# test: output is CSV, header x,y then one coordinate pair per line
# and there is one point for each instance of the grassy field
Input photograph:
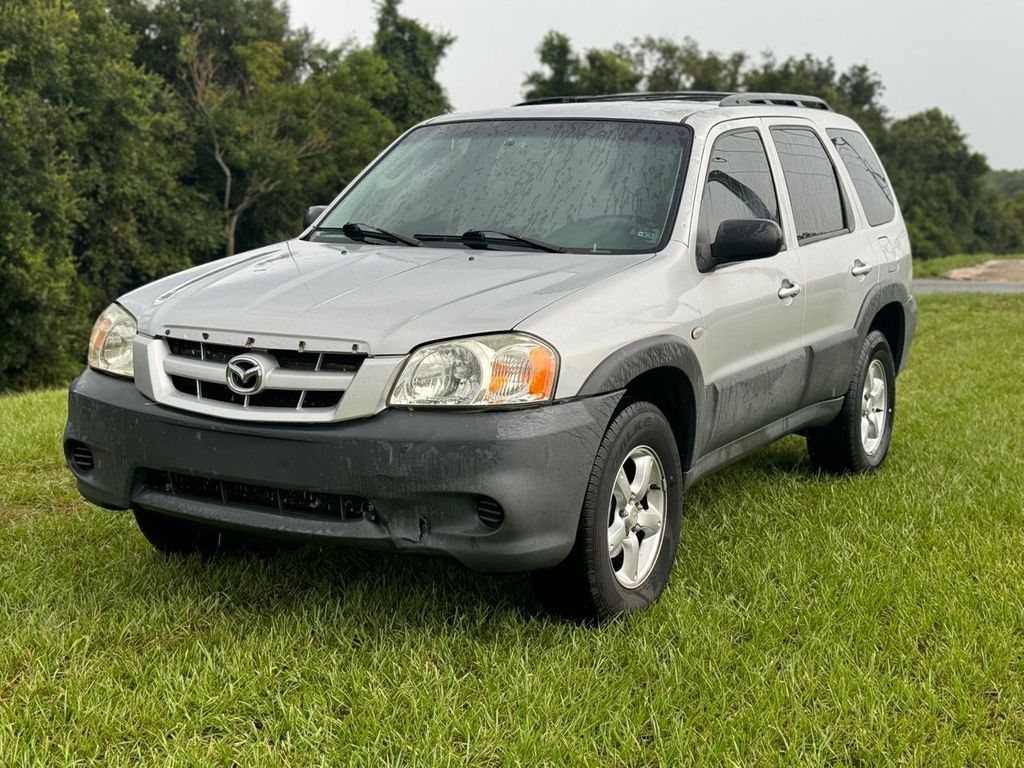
x,y
867,621
941,266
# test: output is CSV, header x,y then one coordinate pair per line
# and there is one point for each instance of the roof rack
x,y
724,99
775,99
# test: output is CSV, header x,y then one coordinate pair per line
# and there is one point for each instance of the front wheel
x,y
857,440
629,525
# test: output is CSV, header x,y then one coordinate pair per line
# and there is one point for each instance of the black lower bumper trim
x,y
422,473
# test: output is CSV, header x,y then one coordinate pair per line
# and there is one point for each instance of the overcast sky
x,y
964,57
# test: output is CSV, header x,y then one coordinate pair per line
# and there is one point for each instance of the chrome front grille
x,y
302,381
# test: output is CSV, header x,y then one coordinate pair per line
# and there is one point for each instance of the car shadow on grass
x,y
401,590
397,590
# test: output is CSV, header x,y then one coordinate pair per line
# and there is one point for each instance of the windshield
x,y
582,185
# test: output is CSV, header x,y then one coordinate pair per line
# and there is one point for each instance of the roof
x,y
669,107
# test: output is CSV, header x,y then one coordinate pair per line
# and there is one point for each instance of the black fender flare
x,y
621,367
625,364
881,295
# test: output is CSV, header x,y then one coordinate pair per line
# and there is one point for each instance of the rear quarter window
x,y
865,170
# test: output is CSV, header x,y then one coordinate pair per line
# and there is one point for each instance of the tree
x,y
259,127
91,203
1007,182
662,64
670,66
413,54
279,121
857,92
939,182
568,74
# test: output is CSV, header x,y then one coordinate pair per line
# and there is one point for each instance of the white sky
x,y
962,56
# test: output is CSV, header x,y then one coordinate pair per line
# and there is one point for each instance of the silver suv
x,y
515,340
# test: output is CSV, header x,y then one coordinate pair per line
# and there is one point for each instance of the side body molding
x,y
832,359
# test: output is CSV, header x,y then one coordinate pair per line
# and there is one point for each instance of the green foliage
x,y
671,66
950,200
810,621
276,119
856,92
1008,183
140,137
938,181
413,54
91,202
569,74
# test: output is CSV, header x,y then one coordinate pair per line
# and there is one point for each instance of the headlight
x,y
110,347
510,369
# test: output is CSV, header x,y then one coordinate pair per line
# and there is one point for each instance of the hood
x,y
387,299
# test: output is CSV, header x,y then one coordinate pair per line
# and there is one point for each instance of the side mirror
x,y
745,240
312,214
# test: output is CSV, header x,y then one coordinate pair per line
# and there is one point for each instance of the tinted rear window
x,y
811,179
866,172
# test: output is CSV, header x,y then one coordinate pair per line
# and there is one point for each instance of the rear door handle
x,y
789,290
860,269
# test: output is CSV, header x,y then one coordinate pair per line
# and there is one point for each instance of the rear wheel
x,y
857,441
629,525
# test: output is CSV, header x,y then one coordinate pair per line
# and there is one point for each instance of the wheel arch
x,y
885,309
891,321
662,370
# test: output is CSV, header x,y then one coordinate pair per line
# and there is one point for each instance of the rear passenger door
x,y
839,266
753,310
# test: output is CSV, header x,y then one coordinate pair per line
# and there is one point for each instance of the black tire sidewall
x,y
638,424
875,348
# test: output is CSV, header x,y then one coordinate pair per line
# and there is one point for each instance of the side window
x,y
814,193
866,171
739,185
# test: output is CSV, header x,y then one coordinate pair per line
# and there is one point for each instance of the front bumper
x,y
424,472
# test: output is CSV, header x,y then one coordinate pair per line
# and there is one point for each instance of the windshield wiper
x,y
479,237
357,231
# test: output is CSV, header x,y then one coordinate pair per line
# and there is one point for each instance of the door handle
x,y
860,269
789,290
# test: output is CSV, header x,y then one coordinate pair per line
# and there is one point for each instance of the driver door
x,y
753,310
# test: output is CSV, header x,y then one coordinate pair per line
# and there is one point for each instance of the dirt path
x,y
997,271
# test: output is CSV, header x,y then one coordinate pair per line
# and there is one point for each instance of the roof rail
x,y
724,99
644,96
775,99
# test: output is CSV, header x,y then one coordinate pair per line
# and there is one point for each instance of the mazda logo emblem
x,y
245,375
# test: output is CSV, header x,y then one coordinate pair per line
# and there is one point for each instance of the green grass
x,y
865,621
941,266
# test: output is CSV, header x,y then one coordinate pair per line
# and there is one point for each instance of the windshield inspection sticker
x,y
647,234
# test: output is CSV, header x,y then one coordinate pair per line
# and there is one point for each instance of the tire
x,y
591,583
853,443
175,536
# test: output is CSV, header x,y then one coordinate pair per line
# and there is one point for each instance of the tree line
x,y
138,137
951,200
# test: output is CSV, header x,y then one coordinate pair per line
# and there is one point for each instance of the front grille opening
x,y
285,500
185,386
220,393
321,399
217,353
490,512
277,398
81,456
